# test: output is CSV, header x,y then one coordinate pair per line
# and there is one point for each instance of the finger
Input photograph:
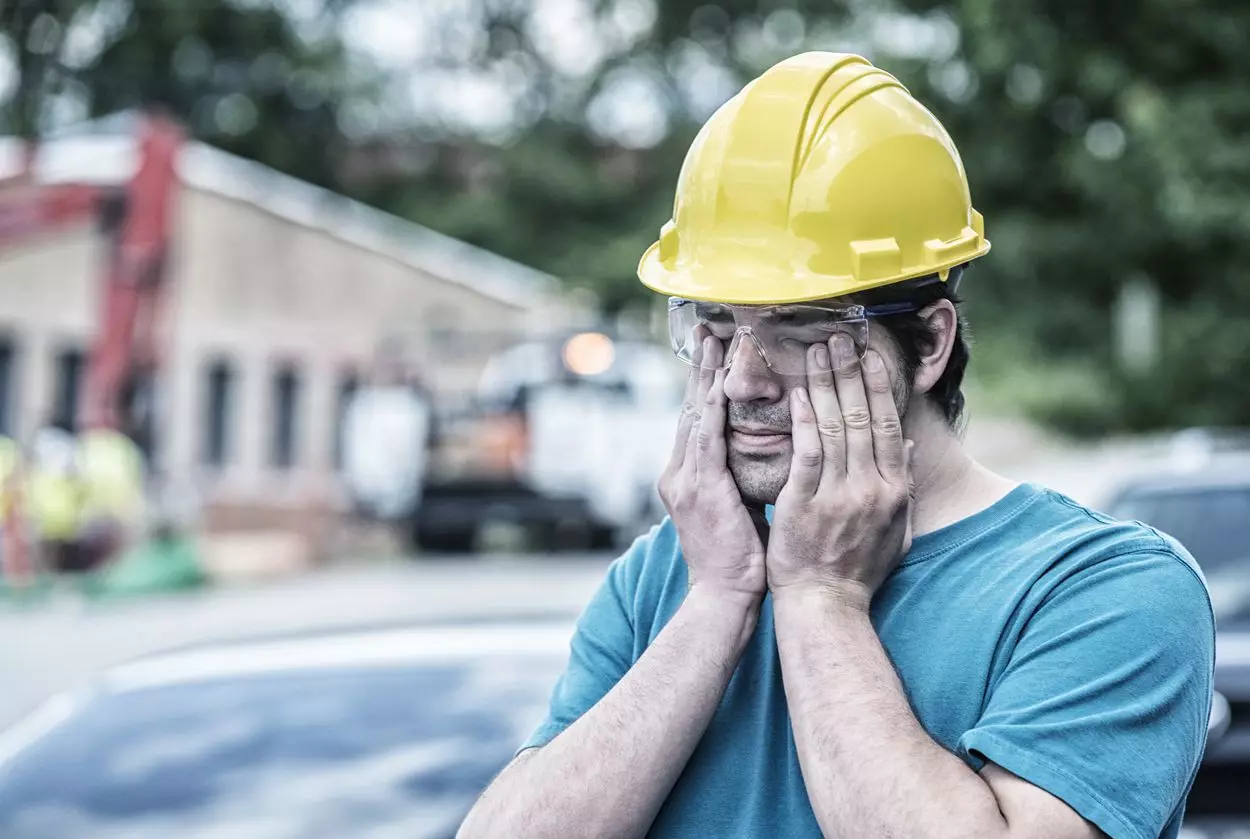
x,y
690,460
856,418
887,429
692,381
711,433
805,463
911,496
711,357
685,425
691,406
824,399
908,448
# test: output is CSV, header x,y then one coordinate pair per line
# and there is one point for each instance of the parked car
x,y
374,734
1203,500
377,734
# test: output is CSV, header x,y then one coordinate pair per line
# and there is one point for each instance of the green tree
x,y
1105,143
249,78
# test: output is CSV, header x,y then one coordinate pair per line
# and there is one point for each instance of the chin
x,y
759,479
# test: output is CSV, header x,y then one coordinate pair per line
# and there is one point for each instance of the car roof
x,y
368,648
1230,472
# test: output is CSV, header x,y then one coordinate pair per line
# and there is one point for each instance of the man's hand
x,y
842,521
719,537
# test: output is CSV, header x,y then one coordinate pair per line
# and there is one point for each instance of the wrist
x,y
732,611
843,595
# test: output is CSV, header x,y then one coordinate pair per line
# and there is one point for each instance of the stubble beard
x,y
761,477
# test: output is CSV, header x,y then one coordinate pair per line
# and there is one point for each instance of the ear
x,y
941,320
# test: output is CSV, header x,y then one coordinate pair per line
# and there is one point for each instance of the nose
x,y
749,378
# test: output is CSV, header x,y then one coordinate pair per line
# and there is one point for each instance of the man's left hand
x,y
842,521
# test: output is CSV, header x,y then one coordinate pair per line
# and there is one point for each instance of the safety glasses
x,y
781,334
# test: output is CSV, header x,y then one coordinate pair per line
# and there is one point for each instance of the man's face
x,y
758,428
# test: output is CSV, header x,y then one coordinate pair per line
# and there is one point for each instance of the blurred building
x,y
280,294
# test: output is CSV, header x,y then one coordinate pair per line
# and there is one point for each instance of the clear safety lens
x,y
780,334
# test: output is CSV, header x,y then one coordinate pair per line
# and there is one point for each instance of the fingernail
x,y
873,361
800,393
822,357
845,349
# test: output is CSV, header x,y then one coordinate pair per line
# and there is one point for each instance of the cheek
x,y
900,383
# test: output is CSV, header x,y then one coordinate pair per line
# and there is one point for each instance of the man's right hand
x,y
609,773
719,537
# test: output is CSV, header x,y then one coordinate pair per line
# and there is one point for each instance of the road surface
x,y
47,647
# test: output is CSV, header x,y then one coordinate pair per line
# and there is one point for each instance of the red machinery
x,y
137,219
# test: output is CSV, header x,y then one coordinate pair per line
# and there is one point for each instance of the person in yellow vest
x,y
54,499
111,470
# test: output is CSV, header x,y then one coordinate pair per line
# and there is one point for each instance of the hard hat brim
x,y
769,285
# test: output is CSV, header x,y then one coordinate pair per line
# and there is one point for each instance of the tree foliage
x,y
1104,143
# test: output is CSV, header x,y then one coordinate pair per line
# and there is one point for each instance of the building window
x,y
219,383
69,368
286,387
349,383
8,387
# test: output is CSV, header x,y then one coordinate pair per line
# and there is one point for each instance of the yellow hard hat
x,y
821,178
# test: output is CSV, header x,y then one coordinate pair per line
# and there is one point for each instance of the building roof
x,y
106,152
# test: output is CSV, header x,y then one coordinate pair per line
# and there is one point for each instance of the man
x,y
970,658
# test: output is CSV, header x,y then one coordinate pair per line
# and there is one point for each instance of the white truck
x,y
561,450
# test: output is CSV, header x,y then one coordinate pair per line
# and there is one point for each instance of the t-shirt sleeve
x,y
601,651
1104,701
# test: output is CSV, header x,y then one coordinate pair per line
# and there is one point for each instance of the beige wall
x,y
258,290
48,302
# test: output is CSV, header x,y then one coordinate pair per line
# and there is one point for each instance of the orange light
x,y
589,354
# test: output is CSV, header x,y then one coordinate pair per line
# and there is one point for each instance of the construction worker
x,y
805,647
111,469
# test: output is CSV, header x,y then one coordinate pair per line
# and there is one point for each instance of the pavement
x,y
51,646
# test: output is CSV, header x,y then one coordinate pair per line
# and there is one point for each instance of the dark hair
x,y
913,337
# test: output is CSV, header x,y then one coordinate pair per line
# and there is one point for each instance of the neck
x,y
948,484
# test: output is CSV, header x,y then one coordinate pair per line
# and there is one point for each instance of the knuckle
x,y
831,427
849,370
888,427
811,457
857,418
879,386
822,381
704,438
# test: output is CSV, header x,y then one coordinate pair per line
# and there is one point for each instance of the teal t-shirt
x,y
1071,649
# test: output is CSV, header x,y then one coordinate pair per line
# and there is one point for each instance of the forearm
x,y
870,768
608,774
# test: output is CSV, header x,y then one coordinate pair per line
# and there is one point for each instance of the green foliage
x,y
1105,143
239,75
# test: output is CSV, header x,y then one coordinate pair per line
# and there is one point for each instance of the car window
x,y
373,753
1213,524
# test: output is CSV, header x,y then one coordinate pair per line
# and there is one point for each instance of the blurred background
x,y
321,345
